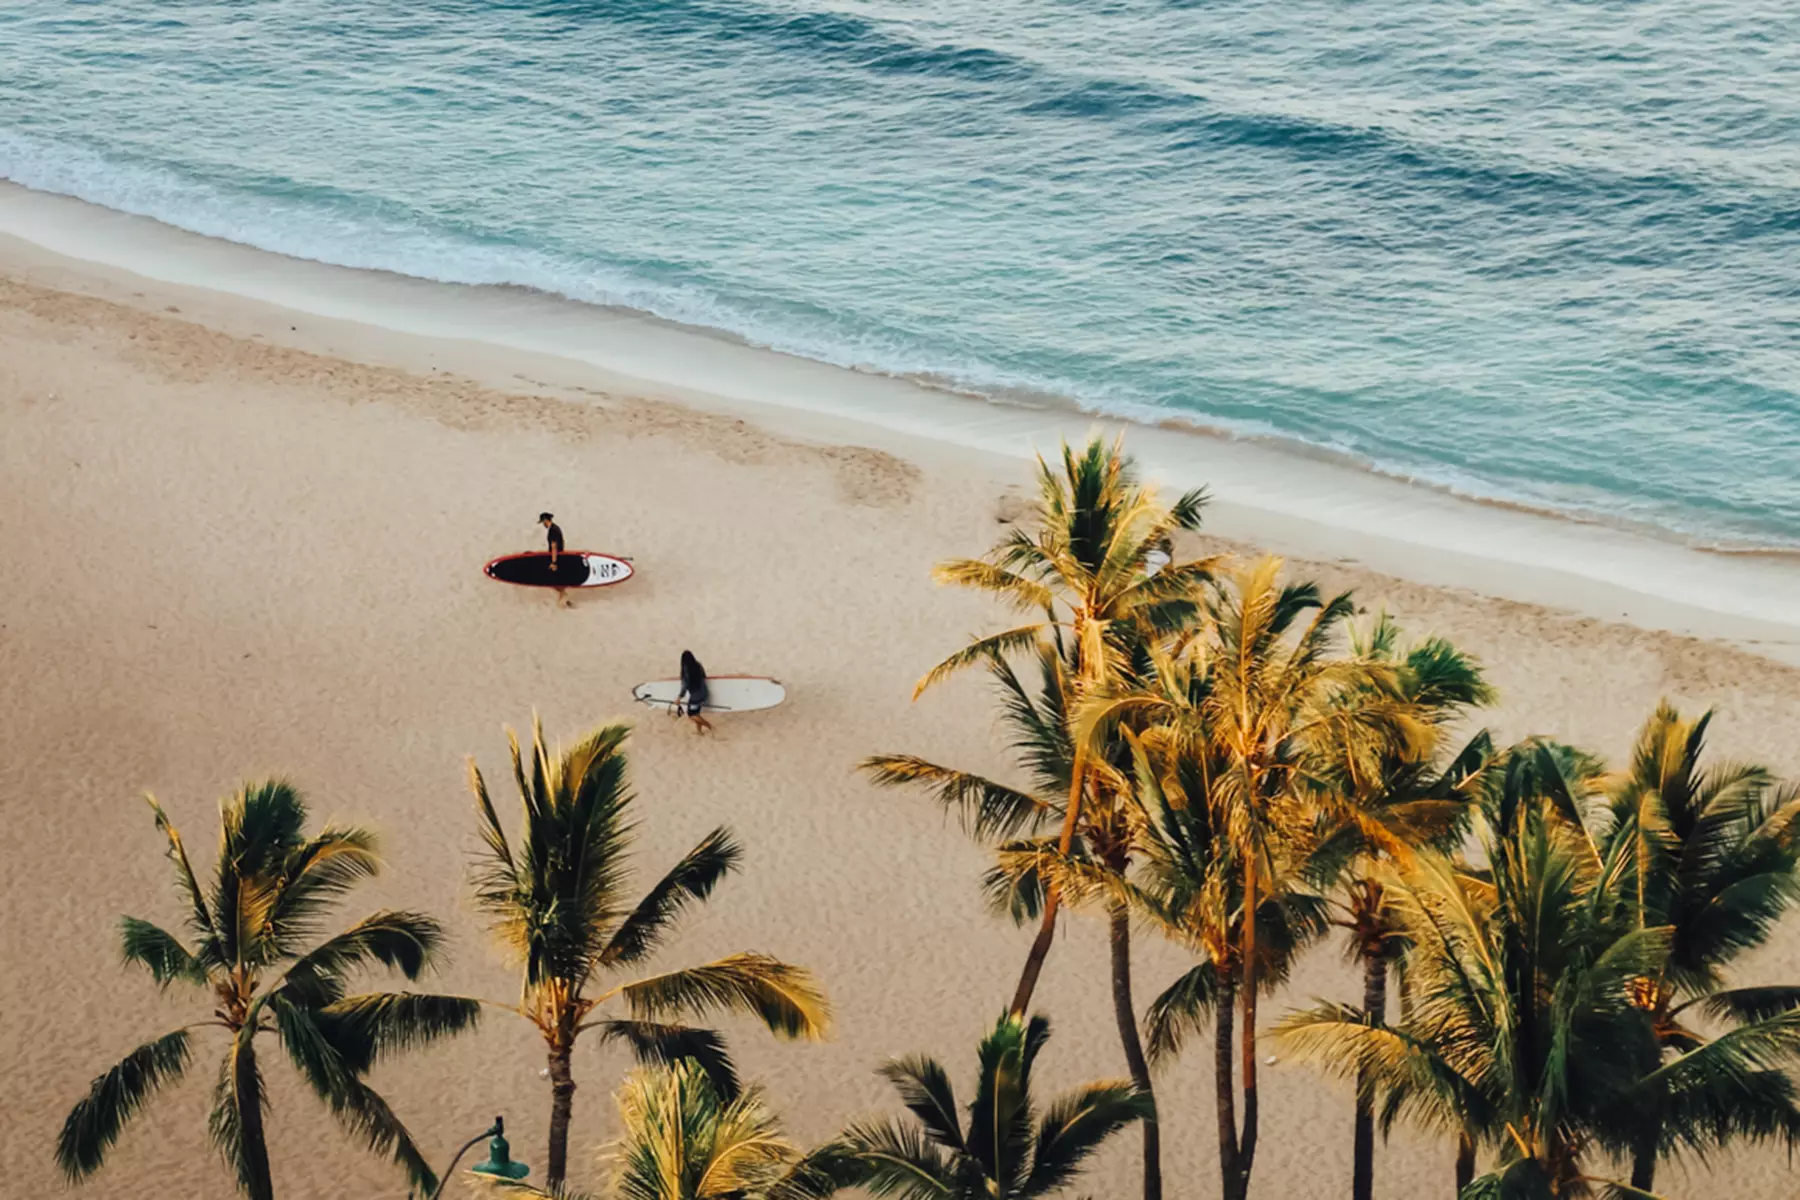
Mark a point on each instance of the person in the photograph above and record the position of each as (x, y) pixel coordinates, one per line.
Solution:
(553, 537)
(693, 695)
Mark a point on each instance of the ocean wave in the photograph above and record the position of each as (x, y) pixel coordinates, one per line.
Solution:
(1185, 119)
(1109, 208)
(342, 229)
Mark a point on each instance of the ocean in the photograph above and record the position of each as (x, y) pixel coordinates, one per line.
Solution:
(1536, 251)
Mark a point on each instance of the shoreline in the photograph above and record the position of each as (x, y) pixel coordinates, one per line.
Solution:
(1299, 504)
(289, 513)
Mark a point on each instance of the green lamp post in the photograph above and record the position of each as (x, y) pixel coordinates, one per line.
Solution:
(498, 1163)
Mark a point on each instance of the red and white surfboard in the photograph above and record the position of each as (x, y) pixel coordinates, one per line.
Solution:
(574, 568)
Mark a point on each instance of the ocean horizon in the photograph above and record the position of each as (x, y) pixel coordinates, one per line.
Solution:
(1537, 255)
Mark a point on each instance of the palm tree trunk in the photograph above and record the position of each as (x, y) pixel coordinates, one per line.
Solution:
(1246, 1156)
(1465, 1162)
(1040, 947)
(1034, 961)
(1643, 1160)
(1224, 1087)
(1362, 1170)
(562, 1104)
(1126, 1014)
(246, 1098)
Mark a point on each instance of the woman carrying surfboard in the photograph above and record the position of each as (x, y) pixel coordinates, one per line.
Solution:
(693, 692)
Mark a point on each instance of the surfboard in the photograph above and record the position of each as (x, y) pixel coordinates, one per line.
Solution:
(575, 568)
(724, 693)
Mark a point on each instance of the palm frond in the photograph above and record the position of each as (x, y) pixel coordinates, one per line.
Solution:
(1025, 595)
(1012, 887)
(654, 1044)
(1748, 1003)
(367, 1028)
(240, 1087)
(823, 1172)
(1075, 1125)
(925, 1089)
(690, 880)
(555, 897)
(784, 997)
(200, 920)
(160, 952)
(497, 881)
(987, 810)
(979, 651)
(1000, 1115)
(402, 941)
(336, 1081)
(1181, 1010)
(898, 1161)
(316, 875)
(96, 1121)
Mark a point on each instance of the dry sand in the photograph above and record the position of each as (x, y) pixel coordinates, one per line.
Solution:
(240, 542)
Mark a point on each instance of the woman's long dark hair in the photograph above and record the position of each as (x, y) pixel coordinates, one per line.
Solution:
(693, 675)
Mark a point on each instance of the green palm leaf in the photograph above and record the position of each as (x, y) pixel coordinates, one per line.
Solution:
(691, 879)
(368, 1028)
(402, 941)
(899, 1161)
(114, 1098)
(985, 809)
(658, 1045)
(335, 1080)
(1075, 1125)
(925, 1089)
(160, 952)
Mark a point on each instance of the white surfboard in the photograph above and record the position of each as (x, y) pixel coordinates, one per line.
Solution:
(724, 693)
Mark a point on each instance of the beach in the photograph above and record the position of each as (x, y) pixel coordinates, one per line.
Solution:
(245, 505)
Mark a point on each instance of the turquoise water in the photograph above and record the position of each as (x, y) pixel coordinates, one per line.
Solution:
(1537, 250)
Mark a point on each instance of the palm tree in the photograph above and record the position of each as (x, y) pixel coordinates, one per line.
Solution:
(1010, 1148)
(558, 901)
(271, 891)
(685, 1140)
(1525, 1028)
(682, 1140)
(1420, 801)
(1711, 855)
(1274, 725)
(993, 811)
(1190, 888)
(1083, 570)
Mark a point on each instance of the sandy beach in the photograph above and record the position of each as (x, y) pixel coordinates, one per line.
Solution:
(243, 538)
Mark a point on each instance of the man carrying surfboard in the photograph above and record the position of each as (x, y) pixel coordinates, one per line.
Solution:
(553, 537)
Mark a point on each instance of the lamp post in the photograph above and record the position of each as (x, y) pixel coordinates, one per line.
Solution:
(498, 1162)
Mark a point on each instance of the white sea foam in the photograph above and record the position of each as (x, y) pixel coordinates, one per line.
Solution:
(336, 235)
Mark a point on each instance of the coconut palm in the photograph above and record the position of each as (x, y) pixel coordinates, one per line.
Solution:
(1418, 800)
(1083, 570)
(249, 955)
(683, 1139)
(994, 812)
(1189, 888)
(1010, 1147)
(1525, 1027)
(1711, 855)
(558, 901)
(1274, 723)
